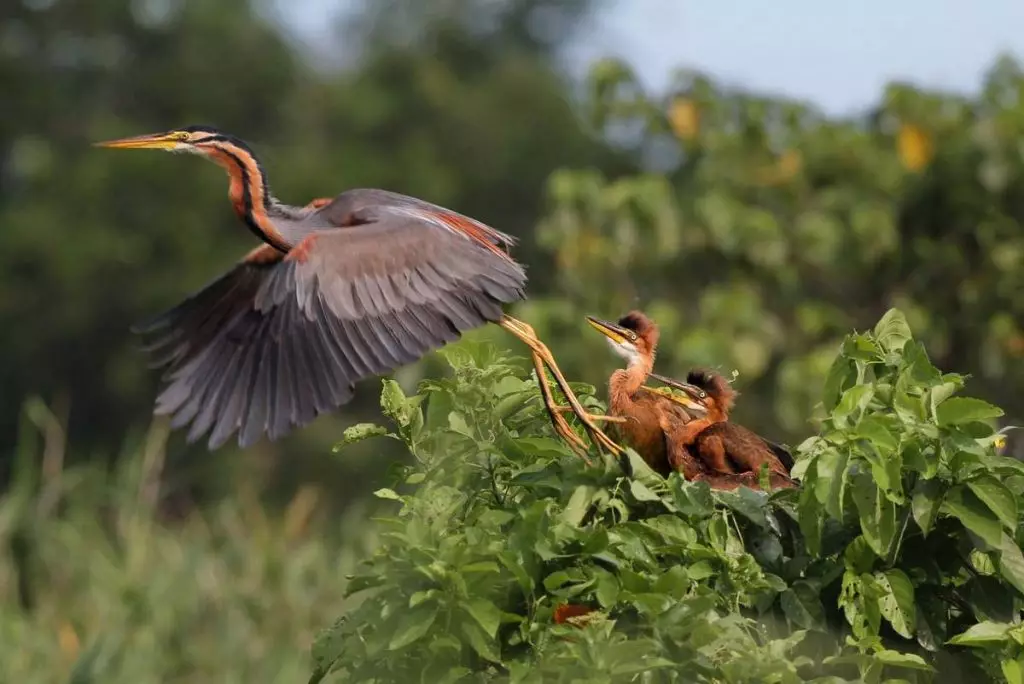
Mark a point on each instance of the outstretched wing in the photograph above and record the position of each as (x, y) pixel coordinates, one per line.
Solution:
(282, 338)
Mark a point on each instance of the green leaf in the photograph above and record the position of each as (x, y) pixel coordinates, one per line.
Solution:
(1011, 562)
(897, 603)
(963, 505)
(925, 504)
(386, 493)
(876, 430)
(457, 424)
(877, 514)
(327, 649)
(412, 626)
(607, 590)
(1013, 670)
(997, 497)
(983, 634)
(939, 394)
(892, 330)
(485, 613)
(579, 504)
(960, 410)
(855, 399)
(556, 579)
(841, 375)
(359, 432)
(480, 641)
(802, 606)
(642, 492)
(897, 659)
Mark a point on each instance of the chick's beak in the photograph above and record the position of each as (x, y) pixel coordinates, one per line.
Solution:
(608, 329)
(152, 141)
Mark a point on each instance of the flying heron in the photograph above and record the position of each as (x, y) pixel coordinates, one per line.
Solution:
(341, 289)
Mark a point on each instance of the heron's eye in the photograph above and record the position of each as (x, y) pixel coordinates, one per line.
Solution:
(703, 395)
(632, 337)
(182, 136)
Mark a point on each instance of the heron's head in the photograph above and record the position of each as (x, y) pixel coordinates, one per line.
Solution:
(202, 140)
(634, 337)
(712, 391)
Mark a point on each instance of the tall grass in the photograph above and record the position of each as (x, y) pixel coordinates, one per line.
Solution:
(97, 585)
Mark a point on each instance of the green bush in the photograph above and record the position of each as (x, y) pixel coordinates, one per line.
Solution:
(897, 560)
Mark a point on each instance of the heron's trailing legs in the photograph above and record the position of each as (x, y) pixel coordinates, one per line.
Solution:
(542, 358)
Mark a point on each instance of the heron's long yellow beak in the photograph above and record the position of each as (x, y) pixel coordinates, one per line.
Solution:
(608, 329)
(152, 141)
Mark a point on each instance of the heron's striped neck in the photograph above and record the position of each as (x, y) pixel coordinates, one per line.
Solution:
(248, 191)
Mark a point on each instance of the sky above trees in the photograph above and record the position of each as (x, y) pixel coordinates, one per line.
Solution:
(837, 55)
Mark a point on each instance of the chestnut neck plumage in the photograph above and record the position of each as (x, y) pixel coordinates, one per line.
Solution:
(248, 191)
(626, 382)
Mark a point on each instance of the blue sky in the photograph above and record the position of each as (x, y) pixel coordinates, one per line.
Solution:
(837, 54)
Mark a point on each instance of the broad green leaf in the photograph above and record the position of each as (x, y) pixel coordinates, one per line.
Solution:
(897, 659)
(1013, 670)
(877, 514)
(457, 424)
(876, 430)
(809, 513)
(859, 556)
(485, 613)
(854, 400)
(802, 606)
(897, 603)
(556, 579)
(479, 640)
(642, 492)
(421, 596)
(982, 634)
(746, 502)
(359, 432)
(886, 470)
(841, 375)
(963, 505)
(607, 590)
(412, 626)
(997, 497)
(925, 504)
(1011, 562)
(939, 394)
(328, 648)
(960, 410)
(579, 504)
(892, 330)
(386, 493)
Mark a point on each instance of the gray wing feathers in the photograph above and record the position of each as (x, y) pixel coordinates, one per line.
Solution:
(267, 348)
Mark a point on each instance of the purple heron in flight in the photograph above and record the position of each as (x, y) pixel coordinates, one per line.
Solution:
(689, 433)
(341, 289)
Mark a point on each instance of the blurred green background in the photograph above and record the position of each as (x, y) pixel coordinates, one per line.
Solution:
(756, 229)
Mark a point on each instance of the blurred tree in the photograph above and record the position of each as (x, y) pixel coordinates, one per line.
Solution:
(760, 231)
(473, 115)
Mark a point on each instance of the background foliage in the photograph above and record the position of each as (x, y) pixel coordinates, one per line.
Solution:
(756, 230)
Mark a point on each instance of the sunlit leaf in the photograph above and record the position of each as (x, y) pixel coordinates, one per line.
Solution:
(963, 505)
(960, 410)
(982, 634)
(897, 603)
(892, 330)
(412, 626)
(997, 497)
(485, 613)
(925, 503)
